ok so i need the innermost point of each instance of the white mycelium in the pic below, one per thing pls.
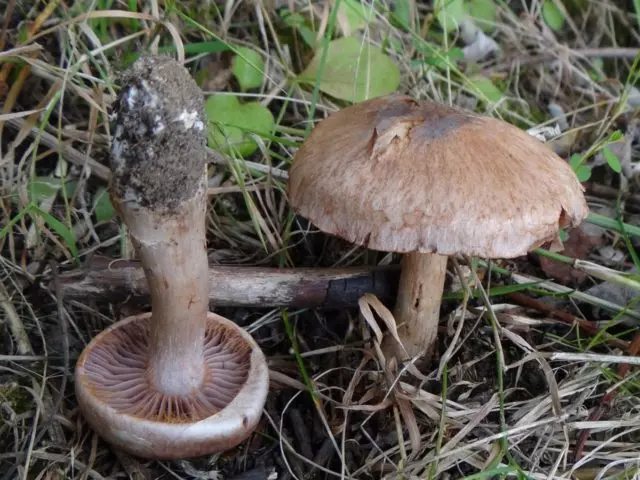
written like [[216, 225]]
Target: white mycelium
[[131, 97], [190, 120], [158, 126]]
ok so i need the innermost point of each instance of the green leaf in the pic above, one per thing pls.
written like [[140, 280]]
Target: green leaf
[[6, 228], [248, 68], [43, 187], [486, 88], [450, 13], [484, 11], [439, 58], [231, 122], [357, 13], [552, 15], [297, 21], [354, 71], [102, 206], [575, 160], [396, 45], [612, 159], [615, 136], [60, 228], [582, 171], [402, 13], [23, 33]]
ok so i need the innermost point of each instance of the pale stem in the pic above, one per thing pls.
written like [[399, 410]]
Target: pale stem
[[173, 252], [417, 306]]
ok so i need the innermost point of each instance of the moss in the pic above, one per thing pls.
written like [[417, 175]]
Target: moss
[[19, 399]]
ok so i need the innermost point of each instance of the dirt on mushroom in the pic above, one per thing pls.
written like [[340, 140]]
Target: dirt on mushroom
[[153, 161]]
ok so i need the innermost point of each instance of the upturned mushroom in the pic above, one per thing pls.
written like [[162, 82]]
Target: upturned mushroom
[[179, 381], [397, 174]]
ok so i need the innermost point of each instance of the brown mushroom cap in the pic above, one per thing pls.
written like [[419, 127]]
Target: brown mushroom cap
[[120, 402], [403, 175]]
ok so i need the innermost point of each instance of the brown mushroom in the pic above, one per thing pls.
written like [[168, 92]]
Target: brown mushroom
[[397, 174], [178, 381]]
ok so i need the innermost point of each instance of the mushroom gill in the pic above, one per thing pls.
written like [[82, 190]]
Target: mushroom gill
[[117, 369]]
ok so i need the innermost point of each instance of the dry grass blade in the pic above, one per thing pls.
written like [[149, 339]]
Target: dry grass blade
[[366, 303], [16, 327], [19, 51], [11, 116], [548, 372], [590, 357]]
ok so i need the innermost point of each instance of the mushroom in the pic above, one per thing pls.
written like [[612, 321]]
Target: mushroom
[[397, 174], [179, 381]]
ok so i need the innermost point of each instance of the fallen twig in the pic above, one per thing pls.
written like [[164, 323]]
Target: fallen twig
[[120, 280], [244, 286], [565, 317]]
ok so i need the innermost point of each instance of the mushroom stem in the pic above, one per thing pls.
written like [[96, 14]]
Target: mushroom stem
[[172, 250], [417, 308]]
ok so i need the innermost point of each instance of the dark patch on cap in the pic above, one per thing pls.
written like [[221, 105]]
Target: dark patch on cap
[[431, 121], [387, 117], [158, 151], [437, 127]]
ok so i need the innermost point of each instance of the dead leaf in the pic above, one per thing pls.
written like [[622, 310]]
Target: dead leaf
[[578, 245]]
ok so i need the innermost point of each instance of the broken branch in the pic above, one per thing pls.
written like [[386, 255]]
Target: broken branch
[[235, 286]]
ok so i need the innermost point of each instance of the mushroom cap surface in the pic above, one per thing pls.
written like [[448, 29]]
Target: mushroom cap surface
[[402, 175], [118, 401]]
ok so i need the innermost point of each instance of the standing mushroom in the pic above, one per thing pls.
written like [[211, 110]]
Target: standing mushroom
[[178, 381], [401, 175]]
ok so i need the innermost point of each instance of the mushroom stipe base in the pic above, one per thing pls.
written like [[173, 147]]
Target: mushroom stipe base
[[125, 408]]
